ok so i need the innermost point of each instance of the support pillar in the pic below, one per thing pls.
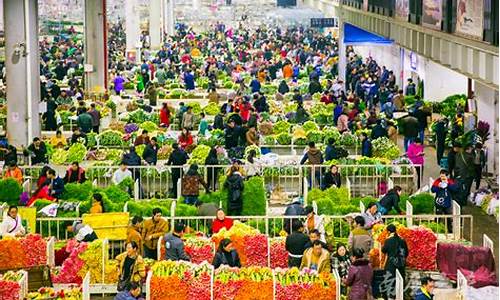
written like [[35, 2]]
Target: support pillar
[[342, 53], [155, 24], [96, 56], [22, 63], [132, 25], [169, 16]]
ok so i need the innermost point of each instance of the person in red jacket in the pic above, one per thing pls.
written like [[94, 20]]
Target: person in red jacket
[[165, 116], [221, 222], [185, 139], [245, 110]]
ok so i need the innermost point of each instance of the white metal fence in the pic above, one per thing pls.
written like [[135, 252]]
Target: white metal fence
[[158, 181]]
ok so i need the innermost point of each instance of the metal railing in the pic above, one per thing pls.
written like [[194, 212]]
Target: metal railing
[[335, 226], [158, 181]]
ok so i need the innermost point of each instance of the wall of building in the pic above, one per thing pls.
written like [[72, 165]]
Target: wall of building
[[487, 110], [439, 81]]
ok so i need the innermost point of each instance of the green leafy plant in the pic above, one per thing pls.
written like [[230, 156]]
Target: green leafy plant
[[10, 191], [254, 197], [385, 148], [76, 153]]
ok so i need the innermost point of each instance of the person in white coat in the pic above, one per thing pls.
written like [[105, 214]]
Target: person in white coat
[[12, 225], [314, 221]]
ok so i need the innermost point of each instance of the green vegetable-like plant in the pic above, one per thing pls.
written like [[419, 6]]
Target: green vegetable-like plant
[[140, 149], [284, 138], [331, 133], [315, 136], [385, 148], [254, 148], [199, 155], [59, 157], [254, 197], [185, 210], [76, 153], [149, 126], [77, 191], [145, 208], [126, 184], [196, 107], [310, 126], [348, 139], [337, 197], [290, 107], [110, 138], [138, 116], [114, 155], [269, 140], [91, 140], [211, 109], [10, 191], [423, 203], [281, 127]]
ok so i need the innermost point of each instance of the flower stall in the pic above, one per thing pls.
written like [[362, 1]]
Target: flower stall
[[13, 285], [180, 280], [421, 242], [244, 283], [28, 251], [251, 245], [292, 284]]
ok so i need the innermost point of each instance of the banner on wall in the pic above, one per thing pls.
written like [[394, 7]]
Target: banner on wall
[[402, 9], [470, 18], [432, 14]]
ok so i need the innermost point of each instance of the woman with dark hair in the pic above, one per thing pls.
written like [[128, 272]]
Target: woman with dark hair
[[191, 185], [226, 255], [130, 267], [212, 172], [252, 165], [164, 115], [331, 178], [185, 139], [341, 260], [390, 201], [43, 176], [359, 277], [234, 185], [97, 204]]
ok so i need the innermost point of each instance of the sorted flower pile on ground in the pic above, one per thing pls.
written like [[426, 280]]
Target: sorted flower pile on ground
[[243, 283], [248, 241], [10, 286], [292, 284], [180, 280], [28, 251]]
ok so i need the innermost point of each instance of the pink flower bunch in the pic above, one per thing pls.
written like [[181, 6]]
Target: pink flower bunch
[[199, 287], [227, 291], [9, 290], [36, 247], [256, 250], [279, 255], [199, 254], [72, 265], [290, 292]]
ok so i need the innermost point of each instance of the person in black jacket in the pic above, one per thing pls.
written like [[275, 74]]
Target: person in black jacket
[[150, 154], [177, 159], [296, 244], [390, 201], [452, 159], [234, 185], [331, 178], [441, 130], [283, 87], [231, 135], [226, 255], [212, 172], [37, 151], [379, 130], [397, 251], [219, 120]]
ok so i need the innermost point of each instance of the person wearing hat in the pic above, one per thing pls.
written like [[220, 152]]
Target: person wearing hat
[[82, 233]]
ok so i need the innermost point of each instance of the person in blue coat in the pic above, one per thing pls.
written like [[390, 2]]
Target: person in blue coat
[[255, 85], [189, 80], [366, 145], [425, 291]]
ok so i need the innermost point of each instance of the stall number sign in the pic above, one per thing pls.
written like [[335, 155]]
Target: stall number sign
[[324, 22]]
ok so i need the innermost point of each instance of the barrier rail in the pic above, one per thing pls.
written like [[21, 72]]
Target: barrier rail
[[488, 243], [399, 286], [86, 287], [273, 225], [461, 285], [158, 181]]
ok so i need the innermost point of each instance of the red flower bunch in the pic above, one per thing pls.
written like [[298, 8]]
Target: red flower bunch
[[255, 250], [252, 283], [279, 255], [9, 290], [36, 247], [422, 248], [199, 250]]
